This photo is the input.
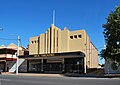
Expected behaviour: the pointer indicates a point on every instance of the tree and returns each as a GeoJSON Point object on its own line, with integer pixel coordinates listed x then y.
{"type": "Point", "coordinates": [112, 36]}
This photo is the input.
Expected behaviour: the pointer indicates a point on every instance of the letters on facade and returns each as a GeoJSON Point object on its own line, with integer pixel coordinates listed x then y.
{"type": "Point", "coordinates": [44, 55]}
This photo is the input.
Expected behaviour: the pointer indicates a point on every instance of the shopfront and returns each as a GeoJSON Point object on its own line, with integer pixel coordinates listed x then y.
{"type": "Point", "coordinates": [70, 62]}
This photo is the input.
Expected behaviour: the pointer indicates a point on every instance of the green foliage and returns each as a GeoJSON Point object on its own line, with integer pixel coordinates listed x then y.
{"type": "Point", "coordinates": [112, 36]}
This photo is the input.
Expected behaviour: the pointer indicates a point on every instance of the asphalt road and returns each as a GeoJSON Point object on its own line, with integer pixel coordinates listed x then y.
{"type": "Point", "coordinates": [27, 80]}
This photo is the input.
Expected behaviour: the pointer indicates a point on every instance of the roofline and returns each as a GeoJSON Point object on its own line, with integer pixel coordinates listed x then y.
{"type": "Point", "coordinates": [93, 45]}
{"type": "Point", "coordinates": [8, 49]}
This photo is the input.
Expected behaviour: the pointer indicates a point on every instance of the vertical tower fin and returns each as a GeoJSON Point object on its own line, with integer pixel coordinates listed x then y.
{"type": "Point", "coordinates": [53, 17]}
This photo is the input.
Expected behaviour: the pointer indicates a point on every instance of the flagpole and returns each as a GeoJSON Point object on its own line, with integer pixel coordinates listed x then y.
{"type": "Point", "coordinates": [53, 17]}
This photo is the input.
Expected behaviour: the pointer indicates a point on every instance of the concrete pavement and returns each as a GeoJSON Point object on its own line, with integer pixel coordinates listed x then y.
{"type": "Point", "coordinates": [63, 75]}
{"type": "Point", "coordinates": [34, 74]}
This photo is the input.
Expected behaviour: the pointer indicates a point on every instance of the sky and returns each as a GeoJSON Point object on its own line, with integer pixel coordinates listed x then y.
{"type": "Point", "coordinates": [28, 18]}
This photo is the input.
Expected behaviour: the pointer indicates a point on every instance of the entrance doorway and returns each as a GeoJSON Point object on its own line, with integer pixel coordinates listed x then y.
{"type": "Point", "coordinates": [74, 65]}
{"type": "Point", "coordinates": [34, 66]}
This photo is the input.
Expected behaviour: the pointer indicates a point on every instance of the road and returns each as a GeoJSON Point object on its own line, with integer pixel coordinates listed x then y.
{"type": "Point", "coordinates": [30, 80]}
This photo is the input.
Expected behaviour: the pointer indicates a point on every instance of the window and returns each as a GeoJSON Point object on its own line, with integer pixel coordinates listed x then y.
{"type": "Point", "coordinates": [32, 42]}
{"type": "Point", "coordinates": [75, 36]}
{"type": "Point", "coordinates": [79, 36]}
{"type": "Point", "coordinates": [71, 37]}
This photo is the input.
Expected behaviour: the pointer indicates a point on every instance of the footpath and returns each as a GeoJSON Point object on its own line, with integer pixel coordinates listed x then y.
{"type": "Point", "coordinates": [67, 75]}
{"type": "Point", "coordinates": [34, 74]}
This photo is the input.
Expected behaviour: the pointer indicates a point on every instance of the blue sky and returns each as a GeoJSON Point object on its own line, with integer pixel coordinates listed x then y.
{"type": "Point", "coordinates": [29, 18]}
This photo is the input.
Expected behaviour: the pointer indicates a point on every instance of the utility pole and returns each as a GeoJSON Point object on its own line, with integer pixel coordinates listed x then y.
{"type": "Point", "coordinates": [18, 41]}
{"type": "Point", "coordinates": [85, 69]}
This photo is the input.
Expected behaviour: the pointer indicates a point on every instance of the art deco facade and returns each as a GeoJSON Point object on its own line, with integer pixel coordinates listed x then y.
{"type": "Point", "coordinates": [55, 40]}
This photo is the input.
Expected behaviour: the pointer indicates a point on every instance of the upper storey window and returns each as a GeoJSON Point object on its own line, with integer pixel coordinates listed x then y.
{"type": "Point", "coordinates": [75, 36]}
{"type": "Point", "coordinates": [79, 36]}
{"type": "Point", "coordinates": [71, 37]}
{"type": "Point", "coordinates": [32, 42]}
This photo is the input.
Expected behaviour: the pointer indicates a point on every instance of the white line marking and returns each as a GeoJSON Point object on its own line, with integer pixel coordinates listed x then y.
{"type": "Point", "coordinates": [4, 80]}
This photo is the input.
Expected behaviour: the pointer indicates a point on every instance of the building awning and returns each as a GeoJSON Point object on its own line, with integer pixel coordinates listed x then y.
{"type": "Point", "coordinates": [55, 55]}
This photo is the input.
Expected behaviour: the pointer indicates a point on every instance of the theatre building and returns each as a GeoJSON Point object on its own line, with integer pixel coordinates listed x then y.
{"type": "Point", "coordinates": [58, 51]}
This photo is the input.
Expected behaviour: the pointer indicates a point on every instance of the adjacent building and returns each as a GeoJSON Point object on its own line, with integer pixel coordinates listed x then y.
{"type": "Point", "coordinates": [59, 50]}
{"type": "Point", "coordinates": [8, 57]}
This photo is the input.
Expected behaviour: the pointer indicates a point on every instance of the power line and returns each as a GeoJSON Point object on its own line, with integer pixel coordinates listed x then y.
{"type": "Point", "coordinates": [11, 40]}
{"type": "Point", "coordinates": [7, 39]}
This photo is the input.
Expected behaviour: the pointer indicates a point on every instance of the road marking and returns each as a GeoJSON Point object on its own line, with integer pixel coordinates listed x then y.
{"type": "Point", "coordinates": [4, 80]}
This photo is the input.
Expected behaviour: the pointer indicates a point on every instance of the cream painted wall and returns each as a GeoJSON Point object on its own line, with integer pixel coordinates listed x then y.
{"type": "Point", "coordinates": [52, 38]}
{"type": "Point", "coordinates": [94, 57]}
{"type": "Point", "coordinates": [42, 44]}
{"type": "Point", "coordinates": [33, 45]}
{"type": "Point", "coordinates": [65, 40]}
{"type": "Point", "coordinates": [59, 41]}
{"type": "Point", "coordinates": [77, 44]}
{"type": "Point", "coordinates": [88, 50]}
